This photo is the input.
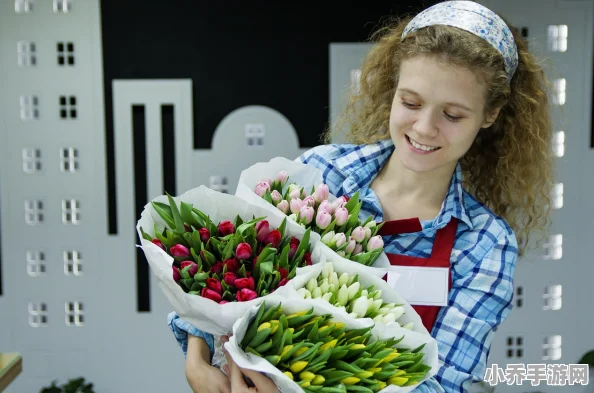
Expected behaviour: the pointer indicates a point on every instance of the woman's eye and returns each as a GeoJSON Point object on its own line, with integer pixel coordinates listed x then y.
{"type": "Point", "coordinates": [452, 118]}
{"type": "Point", "coordinates": [408, 104]}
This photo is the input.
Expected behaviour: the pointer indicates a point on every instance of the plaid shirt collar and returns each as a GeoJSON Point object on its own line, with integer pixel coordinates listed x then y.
{"type": "Point", "coordinates": [361, 165]}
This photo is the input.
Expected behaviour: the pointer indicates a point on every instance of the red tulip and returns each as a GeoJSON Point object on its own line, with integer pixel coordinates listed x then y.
{"type": "Point", "coordinates": [157, 242]}
{"type": "Point", "coordinates": [193, 267]}
{"type": "Point", "coordinates": [230, 278]}
{"type": "Point", "coordinates": [217, 268]}
{"type": "Point", "coordinates": [215, 285]}
{"type": "Point", "coordinates": [243, 251]}
{"type": "Point", "coordinates": [179, 250]}
{"type": "Point", "coordinates": [283, 272]}
{"type": "Point", "coordinates": [273, 238]}
{"type": "Point", "coordinates": [176, 274]}
{"type": "Point", "coordinates": [187, 228]}
{"type": "Point", "coordinates": [262, 230]}
{"type": "Point", "coordinates": [245, 283]}
{"type": "Point", "coordinates": [226, 228]}
{"type": "Point", "coordinates": [245, 295]}
{"type": "Point", "coordinates": [283, 282]}
{"type": "Point", "coordinates": [307, 259]}
{"type": "Point", "coordinates": [204, 234]}
{"type": "Point", "coordinates": [223, 302]}
{"type": "Point", "coordinates": [232, 265]}
{"type": "Point", "coordinates": [293, 246]}
{"type": "Point", "coordinates": [210, 294]}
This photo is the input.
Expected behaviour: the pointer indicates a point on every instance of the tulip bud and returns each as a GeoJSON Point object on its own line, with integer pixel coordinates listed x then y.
{"type": "Point", "coordinates": [371, 224]}
{"type": "Point", "coordinates": [262, 188]}
{"type": "Point", "coordinates": [295, 194]}
{"type": "Point", "coordinates": [323, 219]}
{"type": "Point", "coordinates": [328, 238]}
{"type": "Point", "coordinates": [384, 310]}
{"type": "Point", "coordinates": [325, 287]}
{"type": "Point", "coordinates": [342, 308]}
{"type": "Point", "coordinates": [334, 280]}
{"type": "Point", "coordinates": [179, 250]}
{"type": "Point", "coordinates": [408, 326]}
{"type": "Point", "coordinates": [360, 307]}
{"type": "Point", "coordinates": [339, 240]}
{"type": "Point", "coordinates": [378, 295]}
{"type": "Point", "coordinates": [295, 205]}
{"type": "Point", "coordinates": [230, 278]}
{"type": "Point", "coordinates": [317, 293]}
{"type": "Point", "coordinates": [245, 295]}
{"type": "Point", "coordinates": [354, 316]}
{"type": "Point", "coordinates": [331, 288]}
{"type": "Point", "coordinates": [389, 318]}
{"type": "Point", "coordinates": [379, 319]}
{"type": "Point", "coordinates": [243, 251]}
{"type": "Point", "coordinates": [376, 304]}
{"type": "Point", "coordinates": [176, 274]}
{"type": "Point", "coordinates": [302, 292]}
{"type": "Point", "coordinates": [311, 285]}
{"type": "Point", "coordinates": [344, 279]}
{"type": "Point", "coordinates": [204, 234]}
{"type": "Point", "coordinates": [326, 206]}
{"type": "Point", "coordinates": [306, 214]}
{"type": "Point", "coordinates": [282, 177]}
{"type": "Point", "coordinates": [343, 296]}
{"type": "Point", "coordinates": [341, 253]}
{"type": "Point", "coordinates": [214, 285]}
{"type": "Point", "coordinates": [364, 293]}
{"type": "Point", "coordinates": [273, 238]}
{"type": "Point", "coordinates": [321, 193]}
{"type": "Point", "coordinates": [210, 294]}
{"type": "Point", "coordinates": [340, 202]}
{"type": "Point", "coordinates": [351, 246]}
{"type": "Point", "coordinates": [375, 243]}
{"type": "Point", "coordinates": [309, 201]}
{"type": "Point", "coordinates": [358, 234]}
{"type": "Point", "coordinates": [327, 270]}
{"type": "Point", "coordinates": [226, 228]}
{"type": "Point", "coordinates": [158, 243]}
{"type": "Point", "coordinates": [283, 206]}
{"type": "Point", "coordinates": [397, 312]}
{"type": "Point", "coordinates": [293, 187]}
{"type": "Point", "coordinates": [327, 296]}
{"type": "Point", "coordinates": [262, 230]}
{"type": "Point", "coordinates": [353, 290]}
{"type": "Point", "coordinates": [358, 249]}
{"type": "Point", "coordinates": [276, 197]}
{"type": "Point", "coordinates": [293, 217]}
{"type": "Point", "coordinates": [342, 215]}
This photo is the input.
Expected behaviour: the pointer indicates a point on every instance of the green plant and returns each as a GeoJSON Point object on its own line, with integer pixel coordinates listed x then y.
{"type": "Point", "coordinates": [76, 385]}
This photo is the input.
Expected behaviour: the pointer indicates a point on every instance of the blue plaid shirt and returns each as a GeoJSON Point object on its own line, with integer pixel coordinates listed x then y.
{"type": "Point", "coordinates": [482, 262]}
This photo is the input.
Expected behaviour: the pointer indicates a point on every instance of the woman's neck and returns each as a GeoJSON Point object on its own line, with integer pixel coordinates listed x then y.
{"type": "Point", "coordinates": [426, 190]}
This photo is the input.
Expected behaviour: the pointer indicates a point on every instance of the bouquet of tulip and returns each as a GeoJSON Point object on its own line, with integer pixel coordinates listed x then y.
{"type": "Point", "coordinates": [347, 293]}
{"type": "Point", "coordinates": [214, 259]}
{"type": "Point", "coordinates": [305, 348]}
{"type": "Point", "coordinates": [228, 261]}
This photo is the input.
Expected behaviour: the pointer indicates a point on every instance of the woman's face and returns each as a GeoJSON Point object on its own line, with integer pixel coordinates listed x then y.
{"type": "Point", "coordinates": [437, 112]}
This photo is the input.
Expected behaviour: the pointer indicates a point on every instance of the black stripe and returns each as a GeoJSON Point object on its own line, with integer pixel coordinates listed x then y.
{"type": "Point", "coordinates": [168, 152]}
{"type": "Point", "coordinates": [143, 298]}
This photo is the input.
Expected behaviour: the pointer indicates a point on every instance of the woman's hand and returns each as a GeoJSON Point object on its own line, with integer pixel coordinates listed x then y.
{"type": "Point", "coordinates": [261, 383]}
{"type": "Point", "coordinates": [201, 376]}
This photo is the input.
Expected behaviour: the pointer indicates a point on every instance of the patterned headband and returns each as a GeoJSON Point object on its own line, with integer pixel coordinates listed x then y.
{"type": "Point", "coordinates": [475, 18]}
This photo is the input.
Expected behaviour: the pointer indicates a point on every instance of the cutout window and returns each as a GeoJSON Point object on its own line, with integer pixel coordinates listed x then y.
{"type": "Point", "coordinates": [74, 314]}
{"type": "Point", "coordinates": [70, 211]}
{"type": "Point", "coordinates": [552, 348]}
{"type": "Point", "coordinates": [31, 160]}
{"type": "Point", "coordinates": [552, 297]}
{"type": "Point", "coordinates": [515, 347]}
{"type": "Point", "coordinates": [36, 263]}
{"type": "Point", "coordinates": [65, 53]}
{"type": "Point", "coordinates": [554, 247]}
{"type": "Point", "coordinates": [519, 296]}
{"type": "Point", "coordinates": [23, 6]}
{"type": "Point", "coordinates": [26, 54]}
{"type": "Point", "coordinates": [69, 159]}
{"type": "Point", "coordinates": [559, 143]}
{"type": "Point", "coordinates": [73, 263]}
{"type": "Point", "coordinates": [63, 6]}
{"type": "Point", "coordinates": [37, 314]}
{"type": "Point", "coordinates": [29, 108]}
{"type": "Point", "coordinates": [356, 80]}
{"type": "Point", "coordinates": [560, 91]}
{"type": "Point", "coordinates": [68, 107]}
{"type": "Point", "coordinates": [254, 134]}
{"type": "Point", "coordinates": [33, 211]}
{"type": "Point", "coordinates": [557, 38]}
{"type": "Point", "coordinates": [557, 196]}
{"type": "Point", "coordinates": [219, 183]}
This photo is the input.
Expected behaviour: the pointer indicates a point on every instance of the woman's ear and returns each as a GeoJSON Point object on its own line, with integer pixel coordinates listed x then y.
{"type": "Point", "coordinates": [490, 118]}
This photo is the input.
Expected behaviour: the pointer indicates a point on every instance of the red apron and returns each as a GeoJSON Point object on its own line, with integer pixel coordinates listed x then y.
{"type": "Point", "coordinates": [440, 256]}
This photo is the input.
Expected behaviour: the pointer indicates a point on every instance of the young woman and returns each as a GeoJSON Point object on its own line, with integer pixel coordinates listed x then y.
{"type": "Point", "coordinates": [448, 142]}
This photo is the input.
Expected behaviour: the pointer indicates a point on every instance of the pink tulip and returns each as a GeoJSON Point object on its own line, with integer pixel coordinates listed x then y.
{"type": "Point", "coordinates": [276, 197]}
{"type": "Point", "coordinates": [179, 250]}
{"type": "Point", "coordinates": [296, 205]}
{"type": "Point", "coordinates": [374, 243]}
{"type": "Point", "coordinates": [326, 206]}
{"type": "Point", "coordinates": [243, 251]}
{"type": "Point", "coordinates": [339, 239]}
{"type": "Point", "coordinates": [262, 230]}
{"type": "Point", "coordinates": [309, 201]}
{"type": "Point", "coordinates": [294, 191]}
{"type": "Point", "coordinates": [358, 249]}
{"type": "Point", "coordinates": [342, 215]}
{"type": "Point", "coordinates": [306, 214]}
{"type": "Point", "coordinates": [358, 234]}
{"type": "Point", "coordinates": [261, 188]}
{"type": "Point", "coordinates": [351, 246]}
{"type": "Point", "coordinates": [283, 206]}
{"type": "Point", "coordinates": [321, 193]}
{"type": "Point", "coordinates": [282, 177]}
{"type": "Point", "coordinates": [340, 202]}
{"type": "Point", "coordinates": [323, 219]}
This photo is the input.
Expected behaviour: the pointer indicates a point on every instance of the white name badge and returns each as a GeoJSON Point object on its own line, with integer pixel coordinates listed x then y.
{"type": "Point", "coordinates": [420, 286]}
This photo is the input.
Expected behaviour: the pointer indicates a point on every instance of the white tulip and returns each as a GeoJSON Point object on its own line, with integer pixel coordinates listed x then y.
{"type": "Point", "coordinates": [379, 319]}
{"type": "Point", "coordinates": [409, 326]}
{"type": "Point", "coordinates": [333, 280]}
{"type": "Point", "coordinates": [327, 270]}
{"type": "Point", "coordinates": [375, 305]}
{"type": "Point", "coordinates": [317, 293]}
{"type": "Point", "coordinates": [311, 285]}
{"type": "Point", "coordinates": [341, 253]}
{"type": "Point", "coordinates": [383, 311]}
{"type": "Point", "coordinates": [397, 312]}
{"type": "Point", "coordinates": [353, 315]}
{"type": "Point", "coordinates": [342, 308]}
{"type": "Point", "coordinates": [377, 295]}
{"type": "Point", "coordinates": [293, 217]}
{"type": "Point", "coordinates": [327, 296]}
{"type": "Point", "coordinates": [344, 279]}
{"type": "Point", "coordinates": [353, 278]}
{"type": "Point", "coordinates": [343, 296]}
{"type": "Point", "coordinates": [302, 292]}
{"type": "Point", "coordinates": [353, 290]}
{"type": "Point", "coordinates": [360, 306]}
{"type": "Point", "coordinates": [325, 287]}
{"type": "Point", "coordinates": [389, 318]}
{"type": "Point", "coordinates": [364, 293]}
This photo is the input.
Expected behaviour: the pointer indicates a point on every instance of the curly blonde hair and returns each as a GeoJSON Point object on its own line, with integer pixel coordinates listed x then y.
{"type": "Point", "coordinates": [509, 166]}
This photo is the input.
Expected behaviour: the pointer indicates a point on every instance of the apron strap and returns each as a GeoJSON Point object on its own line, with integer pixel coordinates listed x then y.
{"type": "Point", "coordinates": [396, 227]}
{"type": "Point", "coordinates": [444, 241]}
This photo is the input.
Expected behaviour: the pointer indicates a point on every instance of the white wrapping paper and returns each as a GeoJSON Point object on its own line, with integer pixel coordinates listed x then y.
{"type": "Point", "coordinates": [203, 313]}
{"type": "Point", "coordinates": [285, 385]}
